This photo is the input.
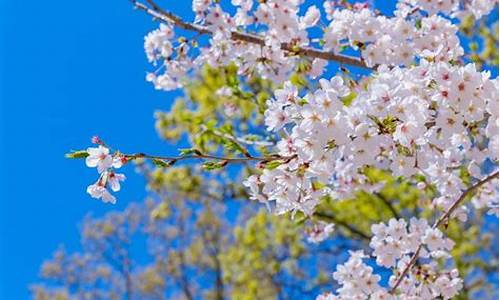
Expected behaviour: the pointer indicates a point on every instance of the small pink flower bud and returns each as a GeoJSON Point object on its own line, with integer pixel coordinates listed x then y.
{"type": "Point", "coordinates": [97, 140]}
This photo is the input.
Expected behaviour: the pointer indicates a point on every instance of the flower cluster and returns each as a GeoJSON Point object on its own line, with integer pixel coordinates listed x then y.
{"type": "Point", "coordinates": [319, 232]}
{"type": "Point", "coordinates": [392, 41]}
{"type": "Point", "coordinates": [159, 47]}
{"type": "Point", "coordinates": [392, 244]}
{"type": "Point", "coordinates": [447, 7]}
{"type": "Point", "coordinates": [105, 163]}
{"type": "Point", "coordinates": [454, 8]}
{"type": "Point", "coordinates": [427, 120]}
{"type": "Point", "coordinates": [487, 196]}
{"type": "Point", "coordinates": [356, 278]}
{"type": "Point", "coordinates": [415, 31]}
{"type": "Point", "coordinates": [281, 24]}
{"type": "Point", "coordinates": [394, 241]}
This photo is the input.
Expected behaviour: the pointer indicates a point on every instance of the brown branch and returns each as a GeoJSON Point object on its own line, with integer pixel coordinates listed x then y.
{"type": "Point", "coordinates": [388, 204]}
{"type": "Point", "coordinates": [444, 217]}
{"type": "Point", "coordinates": [199, 155]}
{"type": "Point", "coordinates": [159, 13]}
{"type": "Point", "coordinates": [353, 230]}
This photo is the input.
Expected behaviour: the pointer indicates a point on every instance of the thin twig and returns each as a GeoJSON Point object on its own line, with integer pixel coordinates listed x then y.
{"type": "Point", "coordinates": [444, 217]}
{"type": "Point", "coordinates": [159, 13]}
{"type": "Point", "coordinates": [388, 204]}
{"type": "Point", "coordinates": [347, 226]}
{"type": "Point", "coordinates": [237, 139]}
{"type": "Point", "coordinates": [174, 159]}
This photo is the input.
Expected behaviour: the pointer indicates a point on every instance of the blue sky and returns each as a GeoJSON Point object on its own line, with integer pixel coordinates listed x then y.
{"type": "Point", "coordinates": [68, 70]}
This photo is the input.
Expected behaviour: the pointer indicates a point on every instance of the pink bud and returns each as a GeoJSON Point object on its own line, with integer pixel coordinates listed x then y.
{"type": "Point", "coordinates": [360, 5]}
{"type": "Point", "coordinates": [96, 140]}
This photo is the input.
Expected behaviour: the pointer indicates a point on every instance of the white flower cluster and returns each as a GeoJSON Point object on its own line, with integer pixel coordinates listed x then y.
{"type": "Point", "coordinates": [487, 196]}
{"type": "Point", "coordinates": [105, 163]}
{"type": "Point", "coordinates": [427, 120]}
{"type": "Point", "coordinates": [319, 232]}
{"type": "Point", "coordinates": [356, 278]}
{"type": "Point", "coordinates": [393, 41]}
{"type": "Point", "coordinates": [393, 246]}
{"type": "Point", "coordinates": [454, 8]}
{"type": "Point", "coordinates": [159, 48]}
{"type": "Point", "coordinates": [394, 241]}
{"type": "Point", "coordinates": [447, 7]}
{"type": "Point", "coordinates": [281, 23]}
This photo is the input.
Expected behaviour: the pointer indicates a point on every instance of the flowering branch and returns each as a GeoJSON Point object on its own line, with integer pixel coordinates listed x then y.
{"type": "Point", "coordinates": [107, 163]}
{"type": "Point", "coordinates": [444, 217]}
{"type": "Point", "coordinates": [157, 12]}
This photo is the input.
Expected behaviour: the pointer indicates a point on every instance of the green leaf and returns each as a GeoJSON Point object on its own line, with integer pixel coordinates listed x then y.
{"type": "Point", "coordinates": [418, 23]}
{"type": "Point", "coordinates": [302, 102]}
{"type": "Point", "coordinates": [189, 151]}
{"type": "Point", "coordinates": [298, 80]}
{"type": "Point", "coordinates": [304, 66]}
{"type": "Point", "coordinates": [273, 164]}
{"type": "Point", "coordinates": [347, 100]}
{"type": "Point", "coordinates": [232, 146]}
{"type": "Point", "coordinates": [214, 165]}
{"type": "Point", "coordinates": [77, 154]}
{"type": "Point", "coordinates": [390, 124]}
{"type": "Point", "coordinates": [404, 150]}
{"type": "Point", "coordinates": [211, 124]}
{"type": "Point", "coordinates": [232, 81]}
{"type": "Point", "coordinates": [162, 163]}
{"type": "Point", "coordinates": [343, 48]}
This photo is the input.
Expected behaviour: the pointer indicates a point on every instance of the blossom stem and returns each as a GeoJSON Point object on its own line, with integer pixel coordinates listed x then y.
{"type": "Point", "coordinates": [174, 159]}
{"type": "Point", "coordinates": [159, 13]}
{"type": "Point", "coordinates": [444, 217]}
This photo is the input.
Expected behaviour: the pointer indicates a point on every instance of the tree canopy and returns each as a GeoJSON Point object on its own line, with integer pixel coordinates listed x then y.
{"type": "Point", "coordinates": [311, 135]}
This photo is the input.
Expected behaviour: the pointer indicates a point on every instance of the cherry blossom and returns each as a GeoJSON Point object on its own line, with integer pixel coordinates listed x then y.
{"type": "Point", "coordinates": [319, 232]}
{"type": "Point", "coordinates": [421, 113]}
{"type": "Point", "coordinates": [330, 140]}
{"type": "Point", "coordinates": [101, 158]}
{"type": "Point", "coordinates": [392, 244]}
{"type": "Point", "coordinates": [98, 190]}
{"type": "Point", "coordinates": [487, 197]}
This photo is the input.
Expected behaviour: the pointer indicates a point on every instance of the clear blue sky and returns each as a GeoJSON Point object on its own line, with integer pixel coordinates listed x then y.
{"type": "Point", "coordinates": [68, 70]}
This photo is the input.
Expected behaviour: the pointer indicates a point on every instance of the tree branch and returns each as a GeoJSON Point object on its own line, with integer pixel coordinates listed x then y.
{"type": "Point", "coordinates": [388, 204]}
{"type": "Point", "coordinates": [159, 13]}
{"type": "Point", "coordinates": [444, 217]}
{"type": "Point", "coordinates": [347, 226]}
{"type": "Point", "coordinates": [198, 155]}
{"type": "Point", "coordinates": [237, 140]}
